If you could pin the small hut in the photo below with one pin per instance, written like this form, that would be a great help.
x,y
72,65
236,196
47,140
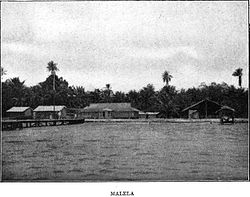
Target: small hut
x,y
203,109
48,112
226,114
20,113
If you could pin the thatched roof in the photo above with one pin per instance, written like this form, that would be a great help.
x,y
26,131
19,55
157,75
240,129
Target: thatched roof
x,y
97,107
225,108
200,103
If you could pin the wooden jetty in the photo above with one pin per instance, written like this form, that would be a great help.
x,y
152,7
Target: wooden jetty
x,y
19,124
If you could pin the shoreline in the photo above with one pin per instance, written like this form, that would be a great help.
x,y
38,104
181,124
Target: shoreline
x,y
159,120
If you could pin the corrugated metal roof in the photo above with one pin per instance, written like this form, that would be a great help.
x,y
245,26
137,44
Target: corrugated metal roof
x,y
107,109
152,113
49,108
18,109
96,107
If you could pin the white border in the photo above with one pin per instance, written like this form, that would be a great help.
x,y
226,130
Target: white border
x,y
229,189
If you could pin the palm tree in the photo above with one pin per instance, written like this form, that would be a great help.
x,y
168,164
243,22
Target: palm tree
x,y
108,86
238,73
108,93
166,77
16,83
18,91
3,72
53,68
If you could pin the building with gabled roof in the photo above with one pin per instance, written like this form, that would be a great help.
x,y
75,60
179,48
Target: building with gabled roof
x,y
48,112
110,111
203,109
20,113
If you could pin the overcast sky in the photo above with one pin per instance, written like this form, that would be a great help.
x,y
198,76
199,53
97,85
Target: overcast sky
x,y
126,44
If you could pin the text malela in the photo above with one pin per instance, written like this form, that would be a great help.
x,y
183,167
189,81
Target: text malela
x,y
121,193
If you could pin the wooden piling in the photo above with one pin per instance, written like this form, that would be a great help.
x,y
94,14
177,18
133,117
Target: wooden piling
x,y
15,124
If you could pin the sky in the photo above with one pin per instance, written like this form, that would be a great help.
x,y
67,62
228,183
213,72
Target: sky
x,y
126,44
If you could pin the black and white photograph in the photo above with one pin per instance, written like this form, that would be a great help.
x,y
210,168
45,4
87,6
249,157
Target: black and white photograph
x,y
124,91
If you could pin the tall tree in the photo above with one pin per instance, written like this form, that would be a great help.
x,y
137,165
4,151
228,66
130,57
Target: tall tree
x,y
166,77
16,91
52,67
134,98
147,98
108,86
167,102
119,97
107,94
3,72
238,73
95,96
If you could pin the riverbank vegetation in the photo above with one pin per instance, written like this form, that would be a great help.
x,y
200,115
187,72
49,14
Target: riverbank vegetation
x,y
168,100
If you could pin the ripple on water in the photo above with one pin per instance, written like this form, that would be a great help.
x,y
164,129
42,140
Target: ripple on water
x,y
106,162
16,142
204,154
116,155
76,170
58,171
105,171
91,141
43,140
127,152
144,154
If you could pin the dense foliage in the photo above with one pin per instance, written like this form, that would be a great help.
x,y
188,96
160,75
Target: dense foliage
x,y
168,101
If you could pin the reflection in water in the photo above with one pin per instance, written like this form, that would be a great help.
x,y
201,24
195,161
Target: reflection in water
x,y
120,151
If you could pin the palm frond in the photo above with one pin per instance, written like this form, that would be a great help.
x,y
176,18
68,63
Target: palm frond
x,y
52,66
238,72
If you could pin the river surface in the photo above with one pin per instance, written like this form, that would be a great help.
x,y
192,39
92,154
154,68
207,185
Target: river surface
x,y
127,152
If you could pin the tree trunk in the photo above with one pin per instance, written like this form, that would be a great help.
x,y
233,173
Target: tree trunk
x,y
54,82
240,81
54,88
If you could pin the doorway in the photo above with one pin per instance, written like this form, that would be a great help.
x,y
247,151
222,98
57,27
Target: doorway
x,y
107,114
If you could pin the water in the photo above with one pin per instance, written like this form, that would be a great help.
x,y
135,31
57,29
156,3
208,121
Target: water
x,y
127,152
